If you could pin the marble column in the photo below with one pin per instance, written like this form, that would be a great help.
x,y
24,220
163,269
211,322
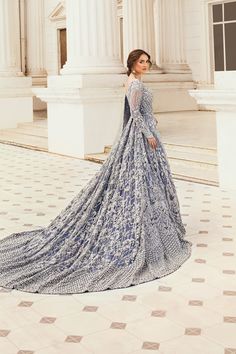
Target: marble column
x,y
139,29
15,89
35,40
172,47
10,62
92,37
222,99
85,102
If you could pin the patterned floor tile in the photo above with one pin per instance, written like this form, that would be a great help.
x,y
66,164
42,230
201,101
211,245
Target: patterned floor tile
x,y
151,345
192,331
193,307
73,339
4,332
118,325
112,342
189,344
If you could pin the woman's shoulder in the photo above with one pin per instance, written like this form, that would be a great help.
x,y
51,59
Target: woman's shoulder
x,y
134,83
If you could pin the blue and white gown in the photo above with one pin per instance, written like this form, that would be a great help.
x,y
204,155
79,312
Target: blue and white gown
x,y
123,228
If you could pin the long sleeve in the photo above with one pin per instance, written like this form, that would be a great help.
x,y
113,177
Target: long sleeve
x,y
135,97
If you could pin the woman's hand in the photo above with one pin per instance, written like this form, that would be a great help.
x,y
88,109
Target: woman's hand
x,y
152,142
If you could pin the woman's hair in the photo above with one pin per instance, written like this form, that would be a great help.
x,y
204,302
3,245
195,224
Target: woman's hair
x,y
133,57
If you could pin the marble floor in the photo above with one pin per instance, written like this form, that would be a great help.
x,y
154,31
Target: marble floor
x,y
191,311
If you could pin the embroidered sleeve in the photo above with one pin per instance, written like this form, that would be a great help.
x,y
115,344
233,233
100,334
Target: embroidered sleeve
x,y
135,96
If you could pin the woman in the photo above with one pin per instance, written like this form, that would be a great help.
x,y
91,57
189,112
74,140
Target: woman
x,y
123,228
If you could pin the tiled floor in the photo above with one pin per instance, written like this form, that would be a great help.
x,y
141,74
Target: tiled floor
x,y
191,311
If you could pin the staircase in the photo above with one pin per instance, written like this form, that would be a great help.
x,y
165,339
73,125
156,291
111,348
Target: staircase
x,y
187,163
33,135
196,159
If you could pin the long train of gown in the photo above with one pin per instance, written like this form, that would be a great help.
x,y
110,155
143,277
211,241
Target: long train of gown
x,y
123,228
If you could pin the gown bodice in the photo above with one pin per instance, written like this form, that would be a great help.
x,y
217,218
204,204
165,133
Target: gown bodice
x,y
139,106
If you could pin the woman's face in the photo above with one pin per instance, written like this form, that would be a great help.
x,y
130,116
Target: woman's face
x,y
142,65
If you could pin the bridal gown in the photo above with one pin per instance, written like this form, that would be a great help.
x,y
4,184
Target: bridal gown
x,y
123,228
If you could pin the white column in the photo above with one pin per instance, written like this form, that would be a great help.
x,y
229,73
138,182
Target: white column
x,y
222,99
92,37
35,38
139,30
85,103
172,47
10,64
15,89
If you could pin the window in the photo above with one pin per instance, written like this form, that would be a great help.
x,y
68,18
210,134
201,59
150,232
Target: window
x,y
224,32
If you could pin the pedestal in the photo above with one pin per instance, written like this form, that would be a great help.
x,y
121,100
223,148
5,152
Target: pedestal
x,y
222,99
85,112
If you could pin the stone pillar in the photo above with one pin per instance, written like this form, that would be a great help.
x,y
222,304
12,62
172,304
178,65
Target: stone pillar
x,y
139,29
222,99
92,37
172,47
35,54
10,64
35,41
15,89
85,103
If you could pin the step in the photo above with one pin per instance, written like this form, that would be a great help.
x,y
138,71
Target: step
x,y
99,158
30,141
199,173
30,130
195,173
190,161
37,123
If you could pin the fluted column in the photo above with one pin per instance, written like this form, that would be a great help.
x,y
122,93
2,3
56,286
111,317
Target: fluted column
x,y
139,31
35,38
92,37
10,62
172,47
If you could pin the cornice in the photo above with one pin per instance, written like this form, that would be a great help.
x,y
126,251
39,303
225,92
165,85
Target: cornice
x,y
217,100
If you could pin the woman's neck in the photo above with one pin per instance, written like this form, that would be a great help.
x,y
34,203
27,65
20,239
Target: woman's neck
x,y
139,77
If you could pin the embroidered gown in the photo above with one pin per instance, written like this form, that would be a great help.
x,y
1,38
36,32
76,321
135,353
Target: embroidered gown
x,y
123,228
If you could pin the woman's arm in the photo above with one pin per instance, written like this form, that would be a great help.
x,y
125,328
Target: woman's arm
x,y
135,96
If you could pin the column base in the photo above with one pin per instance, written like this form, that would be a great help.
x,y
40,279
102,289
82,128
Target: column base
x,y
85,112
16,103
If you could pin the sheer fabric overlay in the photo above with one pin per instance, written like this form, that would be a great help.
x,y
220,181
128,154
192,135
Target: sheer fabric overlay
x,y
123,228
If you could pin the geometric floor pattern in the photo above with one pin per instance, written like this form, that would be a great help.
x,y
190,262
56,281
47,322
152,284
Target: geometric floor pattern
x,y
191,311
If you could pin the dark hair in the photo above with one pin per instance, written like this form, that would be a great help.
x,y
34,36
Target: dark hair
x,y
134,56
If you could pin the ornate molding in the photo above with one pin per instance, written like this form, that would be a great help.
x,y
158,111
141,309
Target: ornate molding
x,y
59,13
78,96
217,100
